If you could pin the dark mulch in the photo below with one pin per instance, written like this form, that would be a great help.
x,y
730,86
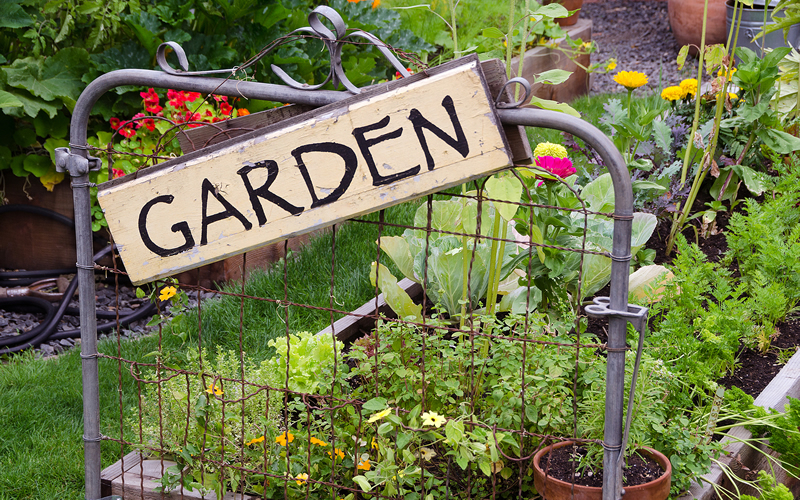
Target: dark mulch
x,y
562,464
755,370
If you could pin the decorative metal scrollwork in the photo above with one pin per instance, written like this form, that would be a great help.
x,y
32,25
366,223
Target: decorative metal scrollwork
x,y
333,42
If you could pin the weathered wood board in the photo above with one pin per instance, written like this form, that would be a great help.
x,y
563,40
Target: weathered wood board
x,y
331,164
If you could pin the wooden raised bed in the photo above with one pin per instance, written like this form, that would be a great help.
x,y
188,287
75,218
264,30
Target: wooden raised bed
x,y
743,460
542,58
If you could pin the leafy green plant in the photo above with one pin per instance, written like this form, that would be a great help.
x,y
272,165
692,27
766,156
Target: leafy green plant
x,y
51,51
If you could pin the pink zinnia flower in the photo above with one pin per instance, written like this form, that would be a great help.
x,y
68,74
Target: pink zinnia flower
x,y
561,167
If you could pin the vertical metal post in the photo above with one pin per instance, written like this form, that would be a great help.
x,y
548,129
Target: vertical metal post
x,y
620,255
86,291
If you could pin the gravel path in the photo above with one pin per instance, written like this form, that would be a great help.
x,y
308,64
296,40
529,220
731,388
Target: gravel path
x,y
15,322
638,35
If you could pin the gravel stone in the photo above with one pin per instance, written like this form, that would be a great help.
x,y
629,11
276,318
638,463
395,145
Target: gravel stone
x,y
638,35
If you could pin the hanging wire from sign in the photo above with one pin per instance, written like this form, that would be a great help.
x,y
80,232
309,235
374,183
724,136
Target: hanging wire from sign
x,y
333,41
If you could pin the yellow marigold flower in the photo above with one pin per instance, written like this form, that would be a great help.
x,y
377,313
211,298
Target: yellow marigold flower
x,y
689,86
377,416
339,453
167,293
254,441
214,389
550,149
374,444
631,79
285,438
318,442
612,65
433,418
732,96
673,93
301,478
364,465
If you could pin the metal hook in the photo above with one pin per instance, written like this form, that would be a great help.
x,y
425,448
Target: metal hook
x,y
526,85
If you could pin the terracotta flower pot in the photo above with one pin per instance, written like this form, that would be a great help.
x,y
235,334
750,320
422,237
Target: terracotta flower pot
x,y
569,5
686,20
554,489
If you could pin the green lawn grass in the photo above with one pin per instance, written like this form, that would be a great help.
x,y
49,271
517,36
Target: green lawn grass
x,y
41,447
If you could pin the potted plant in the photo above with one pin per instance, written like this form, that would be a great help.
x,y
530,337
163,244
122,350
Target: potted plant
x,y
570,5
552,488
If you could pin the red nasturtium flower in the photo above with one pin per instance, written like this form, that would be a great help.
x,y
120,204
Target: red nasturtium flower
x,y
114,123
225,108
151,101
117,172
242,112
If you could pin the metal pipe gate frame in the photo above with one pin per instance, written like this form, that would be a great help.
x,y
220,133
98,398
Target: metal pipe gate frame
x,y
77,162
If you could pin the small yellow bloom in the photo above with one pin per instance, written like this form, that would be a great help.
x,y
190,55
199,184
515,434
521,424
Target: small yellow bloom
x,y
673,93
586,45
374,444
364,465
301,478
214,389
631,79
254,441
433,418
167,293
612,65
689,86
732,96
550,149
285,438
318,442
377,416
339,453
730,73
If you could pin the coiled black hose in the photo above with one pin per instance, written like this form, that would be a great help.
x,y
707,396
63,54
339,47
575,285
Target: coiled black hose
x,y
46,331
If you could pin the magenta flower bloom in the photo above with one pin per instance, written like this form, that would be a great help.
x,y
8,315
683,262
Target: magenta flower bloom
x,y
561,167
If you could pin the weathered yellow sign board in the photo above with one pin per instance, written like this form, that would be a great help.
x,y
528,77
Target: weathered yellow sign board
x,y
322,167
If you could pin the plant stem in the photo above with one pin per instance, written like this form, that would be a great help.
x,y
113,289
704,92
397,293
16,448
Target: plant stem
x,y
696,95
454,26
523,46
512,7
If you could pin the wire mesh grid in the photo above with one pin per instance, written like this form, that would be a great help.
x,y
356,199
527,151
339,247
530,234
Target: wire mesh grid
x,y
449,391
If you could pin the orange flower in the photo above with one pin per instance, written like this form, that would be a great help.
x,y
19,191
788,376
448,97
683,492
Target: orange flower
x,y
339,453
285,438
242,112
317,442
364,465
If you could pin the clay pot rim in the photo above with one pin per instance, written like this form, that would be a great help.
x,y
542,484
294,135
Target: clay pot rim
x,y
655,454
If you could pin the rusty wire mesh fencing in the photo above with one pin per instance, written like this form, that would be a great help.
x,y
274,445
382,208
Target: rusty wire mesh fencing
x,y
469,358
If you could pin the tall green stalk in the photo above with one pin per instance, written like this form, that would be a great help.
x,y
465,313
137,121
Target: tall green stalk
x,y
708,154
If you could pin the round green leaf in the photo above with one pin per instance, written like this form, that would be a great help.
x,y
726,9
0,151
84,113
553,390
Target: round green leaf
x,y
24,137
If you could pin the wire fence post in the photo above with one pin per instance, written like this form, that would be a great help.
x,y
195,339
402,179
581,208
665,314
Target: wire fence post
x,y
77,164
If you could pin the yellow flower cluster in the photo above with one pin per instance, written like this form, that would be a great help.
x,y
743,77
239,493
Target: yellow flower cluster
x,y
673,93
631,79
689,86
285,438
339,453
677,92
550,149
317,442
301,479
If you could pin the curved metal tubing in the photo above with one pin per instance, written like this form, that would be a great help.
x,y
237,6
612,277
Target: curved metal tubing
x,y
529,117
620,262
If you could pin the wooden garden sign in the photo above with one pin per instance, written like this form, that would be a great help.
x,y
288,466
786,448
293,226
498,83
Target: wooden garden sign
x,y
367,152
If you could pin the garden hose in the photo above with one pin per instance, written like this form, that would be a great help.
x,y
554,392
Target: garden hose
x,y
46,331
